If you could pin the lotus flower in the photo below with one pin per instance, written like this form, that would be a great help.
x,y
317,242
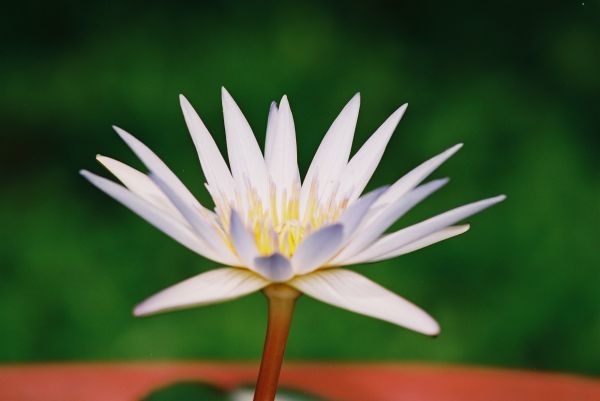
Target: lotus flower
x,y
269,226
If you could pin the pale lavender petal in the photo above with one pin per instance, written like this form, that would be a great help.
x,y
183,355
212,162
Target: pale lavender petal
x,y
242,240
427,227
205,228
276,267
214,286
354,292
416,176
245,158
317,248
271,132
354,214
161,220
377,226
361,167
282,162
438,236
140,184
213,165
158,167
332,155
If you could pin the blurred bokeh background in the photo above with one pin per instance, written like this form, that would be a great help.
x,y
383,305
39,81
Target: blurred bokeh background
x,y
517,82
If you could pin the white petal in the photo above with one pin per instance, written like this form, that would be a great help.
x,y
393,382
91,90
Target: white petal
x,y
354,214
213,165
271,132
420,230
140,184
245,157
416,176
374,228
207,288
431,239
158,167
282,162
275,268
153,215
317,248
332,156
361,167
242,240
349,290
204,228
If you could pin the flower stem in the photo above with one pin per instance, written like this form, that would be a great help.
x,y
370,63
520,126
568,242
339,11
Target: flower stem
x,y
281,299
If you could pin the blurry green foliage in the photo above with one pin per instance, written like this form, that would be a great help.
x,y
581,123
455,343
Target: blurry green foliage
x,y
518,83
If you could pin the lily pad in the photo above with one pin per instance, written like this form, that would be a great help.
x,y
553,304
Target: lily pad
x,y
197,391
246,394
188,391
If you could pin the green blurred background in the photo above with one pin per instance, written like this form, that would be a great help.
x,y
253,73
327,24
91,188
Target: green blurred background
x,y
517,83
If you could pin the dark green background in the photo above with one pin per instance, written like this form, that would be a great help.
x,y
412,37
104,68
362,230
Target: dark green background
x,y
519,84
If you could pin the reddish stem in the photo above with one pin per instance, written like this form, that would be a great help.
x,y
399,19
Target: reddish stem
x,y
281,299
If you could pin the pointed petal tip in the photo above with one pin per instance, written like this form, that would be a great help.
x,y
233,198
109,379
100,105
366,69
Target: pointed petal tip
x,y
428,326
401,110
186,108
105,160
183,101
496,199
229,104
397,115
284,103
122,133
94,179
143,309
225,93
456,147
435,332
445,155
139,311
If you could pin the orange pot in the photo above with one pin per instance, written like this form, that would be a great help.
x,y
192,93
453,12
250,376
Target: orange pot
x,y
338,382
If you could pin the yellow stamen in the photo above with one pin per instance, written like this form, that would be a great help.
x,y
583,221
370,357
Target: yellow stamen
x,y
280,227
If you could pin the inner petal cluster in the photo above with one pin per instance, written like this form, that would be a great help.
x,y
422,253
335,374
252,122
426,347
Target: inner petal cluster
x,y
279,224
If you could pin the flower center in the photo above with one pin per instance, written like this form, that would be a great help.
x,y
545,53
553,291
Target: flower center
x,y
281,224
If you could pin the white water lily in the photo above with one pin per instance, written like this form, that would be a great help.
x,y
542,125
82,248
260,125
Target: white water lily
x,y
268,226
